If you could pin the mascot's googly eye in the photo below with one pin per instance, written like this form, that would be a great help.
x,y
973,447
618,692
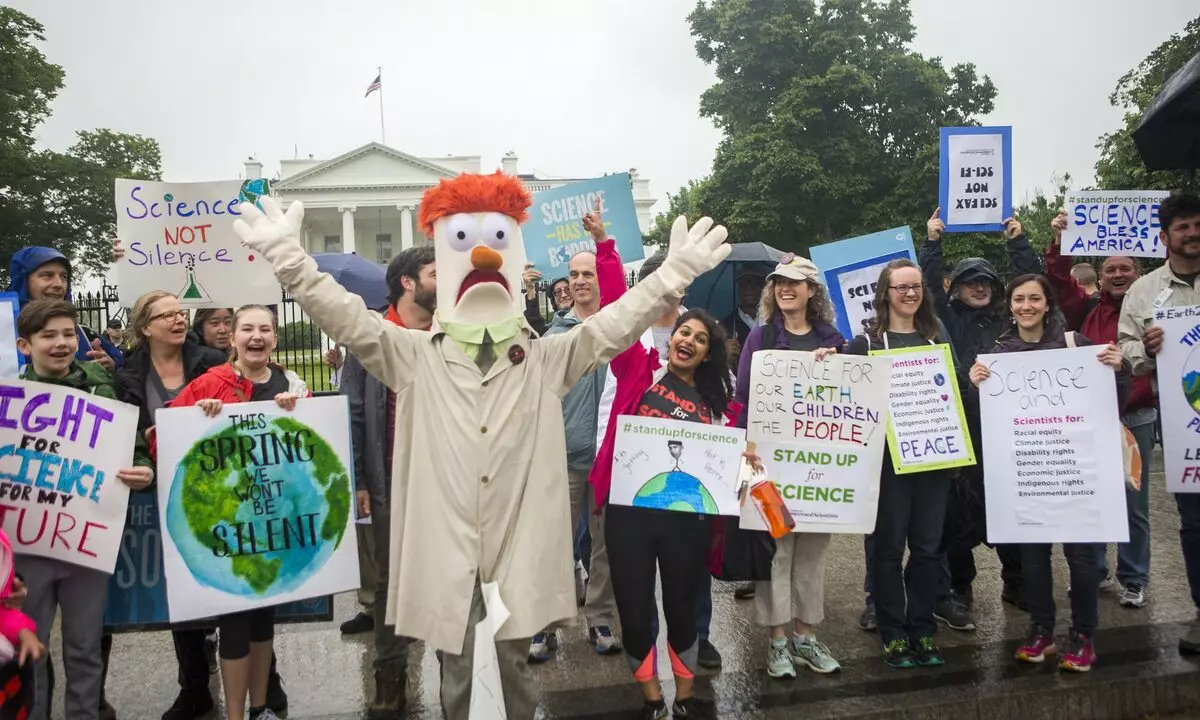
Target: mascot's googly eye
x,y
462,232
496,230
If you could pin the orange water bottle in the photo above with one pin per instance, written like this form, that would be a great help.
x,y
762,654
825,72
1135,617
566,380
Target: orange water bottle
x,y
770,505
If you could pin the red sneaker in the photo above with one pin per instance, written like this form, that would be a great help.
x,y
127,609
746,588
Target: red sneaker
x,y
1080,654
1037,646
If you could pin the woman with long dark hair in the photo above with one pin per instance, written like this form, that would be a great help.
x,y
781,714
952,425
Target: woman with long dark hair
x,y
912,507
1034,326
213,327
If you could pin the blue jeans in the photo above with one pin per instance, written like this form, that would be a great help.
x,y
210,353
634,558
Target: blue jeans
x,y
1133,557
1189,539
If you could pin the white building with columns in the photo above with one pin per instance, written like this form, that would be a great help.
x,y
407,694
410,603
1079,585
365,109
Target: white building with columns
x,y
365,201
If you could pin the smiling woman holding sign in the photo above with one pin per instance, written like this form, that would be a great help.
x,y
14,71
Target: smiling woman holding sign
x,y
1031,304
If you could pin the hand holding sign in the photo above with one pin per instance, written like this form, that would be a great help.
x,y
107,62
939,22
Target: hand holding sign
x,y
935,227
137,478
1111,356
979,373
1058,225
1012,228
1152,340
594,224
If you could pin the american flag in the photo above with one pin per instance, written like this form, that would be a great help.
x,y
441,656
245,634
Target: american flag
x,y
373,86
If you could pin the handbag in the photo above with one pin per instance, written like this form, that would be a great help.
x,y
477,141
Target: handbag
x,y
737,555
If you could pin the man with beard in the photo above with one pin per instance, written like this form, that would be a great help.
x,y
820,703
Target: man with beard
x,y
412,299
1172,285
1096,317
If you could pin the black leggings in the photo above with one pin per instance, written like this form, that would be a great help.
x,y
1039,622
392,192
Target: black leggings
x,y
238,630
638,539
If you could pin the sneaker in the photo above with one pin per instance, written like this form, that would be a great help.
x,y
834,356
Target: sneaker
x,y
866,621
277,699
601,636
1134,596
707,655
107,711
359,624
965,597
687,708
928,654
1106,582
1080,654
263,713
189,706
542,647
779,663
898,654
745,591
1189,644
1037,646
656,710
1012,595
814,654
954,614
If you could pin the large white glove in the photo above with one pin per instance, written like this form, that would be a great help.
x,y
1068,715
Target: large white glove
x,y
692,252
270,230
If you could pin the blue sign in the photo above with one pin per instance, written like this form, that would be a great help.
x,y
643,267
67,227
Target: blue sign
x,y
554,231
137,595
975,181
850,269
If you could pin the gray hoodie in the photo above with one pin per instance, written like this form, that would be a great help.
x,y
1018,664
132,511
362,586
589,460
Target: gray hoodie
x,y
580,406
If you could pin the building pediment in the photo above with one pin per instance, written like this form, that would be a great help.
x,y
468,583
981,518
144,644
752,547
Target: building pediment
x,y
371,166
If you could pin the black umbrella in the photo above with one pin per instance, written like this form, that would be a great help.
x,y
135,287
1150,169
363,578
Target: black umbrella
x,y
716,290
1168,135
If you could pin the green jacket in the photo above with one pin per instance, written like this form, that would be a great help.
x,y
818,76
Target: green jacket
x,y
96,380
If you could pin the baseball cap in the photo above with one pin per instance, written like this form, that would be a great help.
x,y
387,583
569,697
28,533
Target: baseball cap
x,y
115,323
795,267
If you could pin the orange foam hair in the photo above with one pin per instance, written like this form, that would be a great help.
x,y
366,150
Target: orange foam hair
x,y
472,193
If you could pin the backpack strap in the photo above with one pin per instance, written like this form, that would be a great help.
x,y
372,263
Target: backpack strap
x,y
1070,337
769,335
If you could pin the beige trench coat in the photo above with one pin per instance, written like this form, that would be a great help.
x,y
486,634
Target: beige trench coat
x,y
479,486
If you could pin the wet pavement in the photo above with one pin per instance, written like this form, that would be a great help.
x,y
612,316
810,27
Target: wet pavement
x,y
1139,673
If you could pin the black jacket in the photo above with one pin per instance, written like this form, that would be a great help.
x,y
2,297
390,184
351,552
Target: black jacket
x,y
131,379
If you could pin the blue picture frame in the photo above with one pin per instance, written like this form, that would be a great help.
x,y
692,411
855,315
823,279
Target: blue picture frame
x,y
842,256
944,135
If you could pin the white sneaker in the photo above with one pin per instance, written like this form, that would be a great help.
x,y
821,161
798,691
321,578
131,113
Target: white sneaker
x,y
542,647
779,662
1134,596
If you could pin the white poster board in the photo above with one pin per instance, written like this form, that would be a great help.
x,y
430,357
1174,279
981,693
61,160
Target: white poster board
x,y
1052,448
179,237
1121,222
257,505
10,360
676,465
820,429
60,450
975,178
1179,396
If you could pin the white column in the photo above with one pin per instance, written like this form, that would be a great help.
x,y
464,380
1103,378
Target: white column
x,y
406,226
347,229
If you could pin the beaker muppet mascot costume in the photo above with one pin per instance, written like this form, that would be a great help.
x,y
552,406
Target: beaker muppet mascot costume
x,y
479,493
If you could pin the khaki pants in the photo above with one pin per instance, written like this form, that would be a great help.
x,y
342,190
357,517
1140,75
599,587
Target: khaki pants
x,y
600,608
796,590
367,574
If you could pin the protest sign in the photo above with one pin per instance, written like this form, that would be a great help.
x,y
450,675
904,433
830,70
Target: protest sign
x,y
179,237
1052,448
60,450
820,430
554,231
1179,396
10,360
851,268
676,465
927,429
137,594
255,504
1123,222
975,182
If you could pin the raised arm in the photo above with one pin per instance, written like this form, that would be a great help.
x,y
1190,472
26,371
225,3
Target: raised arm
x,y
386,351
1020,253
610,272
930,260
1072,298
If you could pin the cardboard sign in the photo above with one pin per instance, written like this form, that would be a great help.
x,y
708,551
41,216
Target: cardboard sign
x,y
256,505
676,465
975,182
1178,366
1123,222
927,428
820,429
554,231
1052,448
851,268
10,360
179,237
60,450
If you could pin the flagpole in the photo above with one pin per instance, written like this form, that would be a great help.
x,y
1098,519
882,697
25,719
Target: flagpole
x,y
382,132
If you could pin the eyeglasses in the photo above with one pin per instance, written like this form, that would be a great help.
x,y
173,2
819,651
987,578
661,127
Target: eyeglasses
x,y
169,315
906,289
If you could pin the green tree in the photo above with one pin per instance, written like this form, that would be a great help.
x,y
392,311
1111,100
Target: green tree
x,y
64,200
830,121
686,202
299,335
1120,167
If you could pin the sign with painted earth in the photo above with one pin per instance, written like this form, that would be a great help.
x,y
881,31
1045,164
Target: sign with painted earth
x,y
257,506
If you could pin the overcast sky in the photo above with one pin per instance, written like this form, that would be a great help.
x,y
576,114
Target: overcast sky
x,y
575,88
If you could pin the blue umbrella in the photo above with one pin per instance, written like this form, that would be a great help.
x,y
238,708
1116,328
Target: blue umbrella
x,y
361,277
716,290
